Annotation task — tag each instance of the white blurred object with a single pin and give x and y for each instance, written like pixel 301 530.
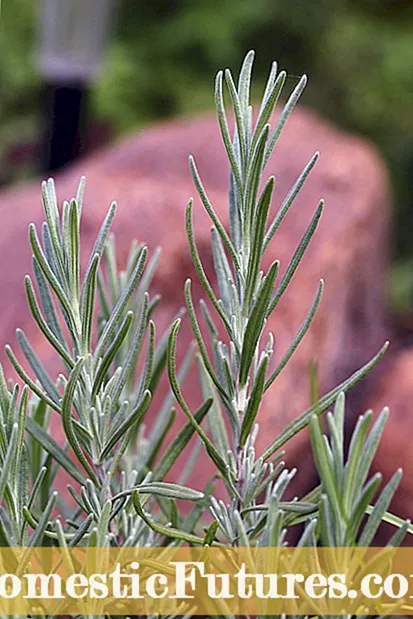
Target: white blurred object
pixel 72 38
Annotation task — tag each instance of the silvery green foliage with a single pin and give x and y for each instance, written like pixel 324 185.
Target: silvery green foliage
pixel 100 397
pixel 240 369
pixel 101 327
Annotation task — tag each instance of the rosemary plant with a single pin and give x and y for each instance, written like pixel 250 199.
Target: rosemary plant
pixel 101 327
pixel 99 396
pixel 241 369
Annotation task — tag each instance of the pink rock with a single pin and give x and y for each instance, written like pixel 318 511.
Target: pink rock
pixel 148 176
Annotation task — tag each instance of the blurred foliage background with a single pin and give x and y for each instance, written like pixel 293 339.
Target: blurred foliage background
pixel 164 53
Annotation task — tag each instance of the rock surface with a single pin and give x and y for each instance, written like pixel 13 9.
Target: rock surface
pixel 148 176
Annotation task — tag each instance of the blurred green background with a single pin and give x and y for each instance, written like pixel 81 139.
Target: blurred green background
pixel 163 56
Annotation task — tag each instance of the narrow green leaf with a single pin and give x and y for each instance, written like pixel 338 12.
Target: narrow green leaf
pixel 337 447
pixel 100 242
pixel 239 120
pixel 359 509
pixel 298 336
pixel 198 509
pixel 53 220
pixel 86 310
pixel 159 362
pixel 222 119
pixel 8 461
pixel 65 234
pixel 118 310
pixel 379 510
pixel 103 524
pixel 21 492
pixel 297 257
pixel 74 265
pixel 67 420
pixel 288 108
pixel 256 322
pixel 272 76
pixel 308 538
pixel 20 454
pixel 132 420
pixel 254 401
pixel 43 326
pixel 146 280
pixel 156 447
pixel 29 382
pixel 242 532
pixel 49 444
pixel 273 529
pixel 208 319
pixel 39 416
pixel 210 533
pixel 392 519
pixel 326 401
pixel 104 303
pixel 81 532
pixel 113 275
pixel 355 457
pixel 37 536
pixel 48 305
pixel 179 443
pixel 244 81
pixel 257 241
pixel 200 269
pixel 216 421
pixel 4 393
pixel 210 448
pixel 79 195
pixel 36 486
pixel 51 277
pixel 268 104
pixel 223 273
pixel 110 353
pixel 398 536
pixel 6 539
pixel 339 409
pixel 50 205
pixel 171 491
pixel 326 526
pixel 198 335
pixel 235 214
pixel 370 449
pixel 38 368
pixel 287 203
pixel 148 368
pixel 168 401
pixel 324 467
pixel 129 363
pixel 58 269
pixel 253 179
pixel 161 529
pixel 47 483
pixel 211 212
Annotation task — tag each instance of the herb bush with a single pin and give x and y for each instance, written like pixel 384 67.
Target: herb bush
pixel 101 325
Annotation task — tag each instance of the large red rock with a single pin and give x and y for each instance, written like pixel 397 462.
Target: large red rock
pixel 148 176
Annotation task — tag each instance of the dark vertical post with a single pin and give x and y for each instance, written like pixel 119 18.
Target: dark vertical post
pixel 64 134
pixel 71 44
